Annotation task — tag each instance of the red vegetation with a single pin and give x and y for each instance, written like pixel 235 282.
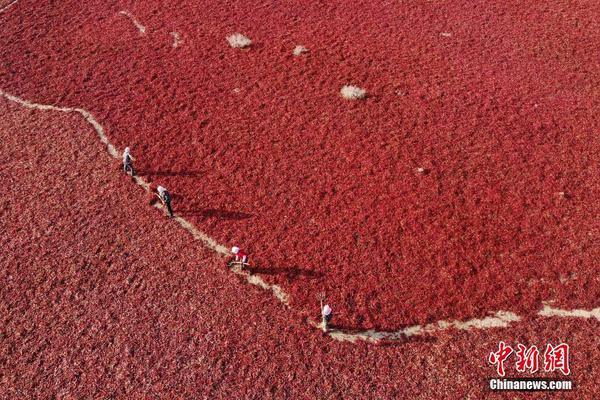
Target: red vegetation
pixel 324 192
pixel 103 298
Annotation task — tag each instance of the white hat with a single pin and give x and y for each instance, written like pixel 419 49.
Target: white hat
pixel 126 150
pixel 235 250
pixel 161 189
pixel 326 310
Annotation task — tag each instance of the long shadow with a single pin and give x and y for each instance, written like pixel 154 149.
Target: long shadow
pixel 407 339
pixel 290 273
pixel 215 213
pixel 403 339
pixel 172 173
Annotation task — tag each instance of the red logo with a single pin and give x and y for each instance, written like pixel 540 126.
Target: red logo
pixel 555 358
pixel 500 356
pixel 527 358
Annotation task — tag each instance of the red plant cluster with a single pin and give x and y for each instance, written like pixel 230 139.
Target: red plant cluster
pixel 99 299
pixel 466 182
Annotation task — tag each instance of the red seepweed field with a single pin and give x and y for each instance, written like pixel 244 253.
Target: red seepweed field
pixel 466 183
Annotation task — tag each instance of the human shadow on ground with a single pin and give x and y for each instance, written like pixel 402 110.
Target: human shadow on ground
pixel 171 173
pixel 291 273
pixel 384 342
pixel 406 339
pixel 215 213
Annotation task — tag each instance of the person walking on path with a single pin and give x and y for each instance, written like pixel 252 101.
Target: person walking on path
pixel 326 314
pixel 239 257
pixel 165 197
pixel 128 161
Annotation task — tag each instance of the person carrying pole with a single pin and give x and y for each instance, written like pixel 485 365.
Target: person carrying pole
pixel 326 315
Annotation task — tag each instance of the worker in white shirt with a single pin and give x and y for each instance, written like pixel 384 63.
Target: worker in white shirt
pixel 239 257
pixel 326 314
pixel 165 197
